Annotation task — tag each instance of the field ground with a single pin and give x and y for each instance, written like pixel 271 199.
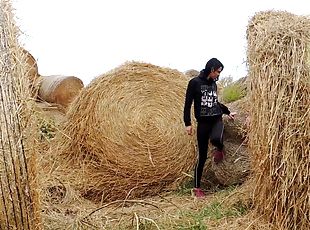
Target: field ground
pixel 226 208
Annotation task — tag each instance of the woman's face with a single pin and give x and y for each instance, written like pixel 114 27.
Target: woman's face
pixel 215 73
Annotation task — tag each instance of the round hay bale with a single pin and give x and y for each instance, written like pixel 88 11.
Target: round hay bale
pixel 191 73
pixel 235 167
pixel 60 89
pixel 127 134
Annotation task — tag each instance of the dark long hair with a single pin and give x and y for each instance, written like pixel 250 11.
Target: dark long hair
pixel 213 64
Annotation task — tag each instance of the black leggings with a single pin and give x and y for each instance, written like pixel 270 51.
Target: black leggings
pixel 211 130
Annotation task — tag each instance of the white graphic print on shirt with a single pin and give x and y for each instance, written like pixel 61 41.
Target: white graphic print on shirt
pixel 208 96
pixel 209 105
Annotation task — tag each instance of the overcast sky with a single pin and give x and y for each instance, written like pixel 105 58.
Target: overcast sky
pixel 88 38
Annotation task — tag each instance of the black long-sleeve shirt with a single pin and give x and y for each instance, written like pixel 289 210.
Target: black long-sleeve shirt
pixel 203 92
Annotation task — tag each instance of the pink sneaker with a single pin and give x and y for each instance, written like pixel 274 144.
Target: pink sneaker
pixel 198 193
pixel 218 156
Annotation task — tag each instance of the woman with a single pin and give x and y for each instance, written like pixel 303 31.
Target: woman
pixel 208 113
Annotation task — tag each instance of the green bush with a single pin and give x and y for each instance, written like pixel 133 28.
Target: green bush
pixel 233 92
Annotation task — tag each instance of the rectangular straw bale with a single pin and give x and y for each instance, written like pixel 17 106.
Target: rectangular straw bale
pixel 279 138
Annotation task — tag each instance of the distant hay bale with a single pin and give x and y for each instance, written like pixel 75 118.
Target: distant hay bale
pixel 279 140
pixel 127 137
pixel 60 89
pixel 191 73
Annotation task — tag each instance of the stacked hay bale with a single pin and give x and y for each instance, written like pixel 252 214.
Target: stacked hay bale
pixel 59 89
pixel 19 207
pixel 127 137
pixel 279 140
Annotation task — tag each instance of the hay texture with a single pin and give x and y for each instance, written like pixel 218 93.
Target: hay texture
pixel 236 131
pixel 279 140
pixel 19 206
pixel 127 137
pixel 59 89
pixel 51 112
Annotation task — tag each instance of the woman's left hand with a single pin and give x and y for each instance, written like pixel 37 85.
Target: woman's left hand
pixel 232 116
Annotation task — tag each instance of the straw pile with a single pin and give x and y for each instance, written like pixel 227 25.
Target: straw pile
pixel 59 89
pixel 127 137
pixel 278 57
pixel 18 194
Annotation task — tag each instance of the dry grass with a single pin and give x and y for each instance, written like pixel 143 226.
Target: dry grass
pixel 226 209
pixel 280 117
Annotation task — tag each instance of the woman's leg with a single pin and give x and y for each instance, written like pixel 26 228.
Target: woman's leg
pixel 203 130
pixel 216 136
